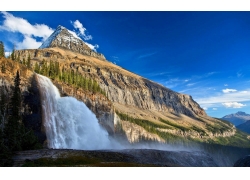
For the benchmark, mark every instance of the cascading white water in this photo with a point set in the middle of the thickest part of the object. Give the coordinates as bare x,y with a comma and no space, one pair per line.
69,124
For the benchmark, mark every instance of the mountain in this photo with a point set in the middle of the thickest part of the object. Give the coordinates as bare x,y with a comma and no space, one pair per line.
244,127
237,118
67,39
127,104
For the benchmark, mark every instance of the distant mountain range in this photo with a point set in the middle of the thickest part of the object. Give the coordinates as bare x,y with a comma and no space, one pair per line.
240,119
237,118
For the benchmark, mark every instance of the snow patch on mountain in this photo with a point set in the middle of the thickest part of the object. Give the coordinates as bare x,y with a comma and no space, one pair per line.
49,40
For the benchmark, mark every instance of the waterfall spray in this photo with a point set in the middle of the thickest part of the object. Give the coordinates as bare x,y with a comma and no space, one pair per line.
69,124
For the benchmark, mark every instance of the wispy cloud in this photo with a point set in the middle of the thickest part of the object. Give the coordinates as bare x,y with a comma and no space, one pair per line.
225,84
228,90
204,75
214,109
190,84
233,105
239,74
82,30
210,74
29,31
189,90
205,108
146,55
238,96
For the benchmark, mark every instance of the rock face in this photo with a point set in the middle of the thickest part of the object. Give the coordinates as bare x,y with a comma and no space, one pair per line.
135,133
237,118
67,39
130,94
121,86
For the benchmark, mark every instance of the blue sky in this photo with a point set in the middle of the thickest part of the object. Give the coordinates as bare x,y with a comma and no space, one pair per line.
203,54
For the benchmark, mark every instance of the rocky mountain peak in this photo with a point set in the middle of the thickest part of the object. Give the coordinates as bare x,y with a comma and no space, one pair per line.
240,113
66,39
237,118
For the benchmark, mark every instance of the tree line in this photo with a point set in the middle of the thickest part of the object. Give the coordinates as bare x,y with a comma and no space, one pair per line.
69,76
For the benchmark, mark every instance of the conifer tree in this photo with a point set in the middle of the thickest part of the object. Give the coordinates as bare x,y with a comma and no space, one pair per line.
3,108
37,68
2,54
28,62
3,68
18,58
13,55
24,61
13,130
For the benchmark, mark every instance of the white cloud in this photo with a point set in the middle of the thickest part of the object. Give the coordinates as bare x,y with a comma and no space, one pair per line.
214,109
233,105
78,25
205,108
82,33
190,84
228,90
236,96
28,43
20,25
225,84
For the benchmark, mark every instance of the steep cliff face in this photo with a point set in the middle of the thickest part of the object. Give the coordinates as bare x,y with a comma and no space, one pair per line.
147,95
130,94
135,133
120,85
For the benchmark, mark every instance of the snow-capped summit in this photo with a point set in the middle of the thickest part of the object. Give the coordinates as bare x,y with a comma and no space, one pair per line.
66,39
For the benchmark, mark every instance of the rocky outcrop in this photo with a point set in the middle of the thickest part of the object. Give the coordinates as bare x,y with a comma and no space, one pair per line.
135,133
147,95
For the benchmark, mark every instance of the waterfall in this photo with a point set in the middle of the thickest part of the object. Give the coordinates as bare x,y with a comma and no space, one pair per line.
69,124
